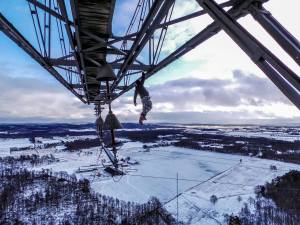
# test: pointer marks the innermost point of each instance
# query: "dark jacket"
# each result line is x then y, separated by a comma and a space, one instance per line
140, 89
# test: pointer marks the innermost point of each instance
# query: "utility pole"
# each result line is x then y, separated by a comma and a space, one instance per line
177, 195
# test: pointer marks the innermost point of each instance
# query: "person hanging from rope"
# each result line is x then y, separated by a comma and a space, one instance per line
145, 98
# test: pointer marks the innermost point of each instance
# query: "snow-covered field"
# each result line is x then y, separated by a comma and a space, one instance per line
201, 175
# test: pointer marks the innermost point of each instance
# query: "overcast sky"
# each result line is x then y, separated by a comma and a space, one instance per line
214, 83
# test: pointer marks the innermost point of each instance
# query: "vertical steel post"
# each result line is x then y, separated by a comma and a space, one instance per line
177, 215
49, 31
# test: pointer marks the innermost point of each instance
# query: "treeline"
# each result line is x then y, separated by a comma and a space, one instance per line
61, 130
28, 160
62, 199
87, 143
82, 144
149, 135
262, 147
277, 203
36, 147
267, 148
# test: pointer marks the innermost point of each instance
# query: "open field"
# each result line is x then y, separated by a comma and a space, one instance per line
201, 175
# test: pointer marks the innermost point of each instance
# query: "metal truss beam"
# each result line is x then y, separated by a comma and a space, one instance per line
172, 22
62, 62
102, 42
11, 32
132, 66
80, 58
235, 12
157, 12
284, 38
192, 15
118, 66
48, 10
278, 73
71, 38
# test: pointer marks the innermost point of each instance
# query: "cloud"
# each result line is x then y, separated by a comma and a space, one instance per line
245, 98
37, 100
242, 89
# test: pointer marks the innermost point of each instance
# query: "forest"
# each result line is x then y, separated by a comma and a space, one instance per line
44, 197
276, 203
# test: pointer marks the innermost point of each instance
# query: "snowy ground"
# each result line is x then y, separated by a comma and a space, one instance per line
201, 174
275, 133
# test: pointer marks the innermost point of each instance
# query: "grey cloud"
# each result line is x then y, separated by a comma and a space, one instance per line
194, 82
210, 117
34, 99
254, 86
241, 90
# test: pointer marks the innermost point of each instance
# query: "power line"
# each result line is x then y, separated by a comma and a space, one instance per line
200, 181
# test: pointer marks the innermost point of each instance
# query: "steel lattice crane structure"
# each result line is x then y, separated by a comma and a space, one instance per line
84, 29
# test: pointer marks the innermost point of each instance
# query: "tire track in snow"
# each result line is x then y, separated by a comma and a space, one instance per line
203, 211
197, 185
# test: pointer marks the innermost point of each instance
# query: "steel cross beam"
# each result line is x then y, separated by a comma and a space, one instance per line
181, 19
157, 12
48, 10
278, 73
284, 38
63, 9
237, 11
10, 31
79, 47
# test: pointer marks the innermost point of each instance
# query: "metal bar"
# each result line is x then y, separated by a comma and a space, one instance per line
131, 67
174, 21
92, 61
35, 28
67, 69
251, 47
77, 86
63, 8
40, 31
74, 9
283, 37
49, 31
72, 54
10, 31
102, 41
118, 66
159, 8
62, 62
117, 60
123, 38
95, 47
163, 33
192, 15
48, 10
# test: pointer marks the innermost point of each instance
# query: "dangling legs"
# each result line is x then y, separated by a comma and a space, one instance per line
147, 106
